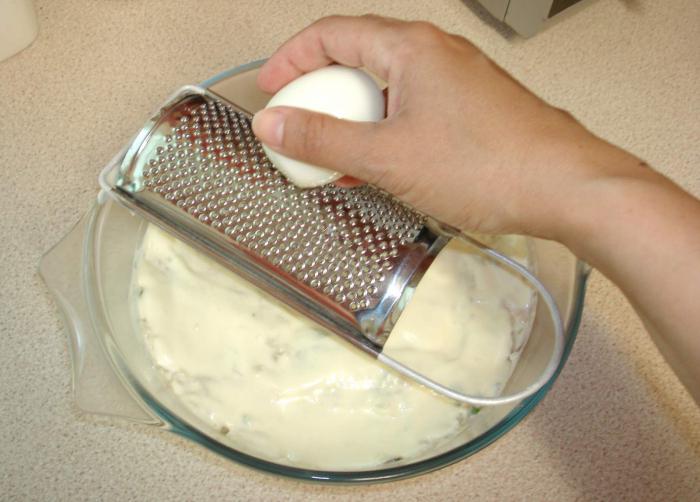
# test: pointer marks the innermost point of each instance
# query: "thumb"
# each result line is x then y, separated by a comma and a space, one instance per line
322, 140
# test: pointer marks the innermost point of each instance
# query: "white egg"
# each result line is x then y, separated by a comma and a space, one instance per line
345, 93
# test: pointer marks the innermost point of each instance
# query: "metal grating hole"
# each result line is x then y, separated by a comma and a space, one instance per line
339, 241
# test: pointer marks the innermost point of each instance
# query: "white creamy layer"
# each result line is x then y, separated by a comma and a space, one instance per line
275, 385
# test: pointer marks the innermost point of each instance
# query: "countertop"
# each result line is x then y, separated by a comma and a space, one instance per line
616, 425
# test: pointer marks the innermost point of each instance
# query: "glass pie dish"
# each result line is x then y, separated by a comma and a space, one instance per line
90, 275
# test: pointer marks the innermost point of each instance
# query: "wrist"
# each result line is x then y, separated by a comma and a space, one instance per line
620, 199
585, 180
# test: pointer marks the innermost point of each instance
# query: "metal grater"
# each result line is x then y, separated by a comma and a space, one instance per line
349, 258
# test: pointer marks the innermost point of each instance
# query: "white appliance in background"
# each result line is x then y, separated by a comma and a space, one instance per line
18, 26
526, 17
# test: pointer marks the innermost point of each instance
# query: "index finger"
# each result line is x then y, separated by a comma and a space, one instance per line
365, 41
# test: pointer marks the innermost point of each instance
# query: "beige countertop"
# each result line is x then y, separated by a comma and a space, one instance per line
617, 424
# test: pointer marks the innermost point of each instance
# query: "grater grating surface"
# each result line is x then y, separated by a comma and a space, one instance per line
357, 250
341, 242
348, 258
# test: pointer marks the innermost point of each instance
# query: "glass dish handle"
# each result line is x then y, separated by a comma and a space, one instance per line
96, 387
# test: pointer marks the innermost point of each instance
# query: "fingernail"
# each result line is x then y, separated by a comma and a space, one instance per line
268, 126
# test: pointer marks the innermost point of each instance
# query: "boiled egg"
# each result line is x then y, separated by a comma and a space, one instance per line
345, 93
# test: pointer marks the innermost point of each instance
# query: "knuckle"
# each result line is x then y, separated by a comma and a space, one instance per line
463, 43
424, 32
418, 37
371, 17
333, 18
566, 115
559, 115
326, 23
379, 21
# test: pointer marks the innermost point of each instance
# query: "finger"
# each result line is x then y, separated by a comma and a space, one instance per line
366, 41
348, 182
321, 140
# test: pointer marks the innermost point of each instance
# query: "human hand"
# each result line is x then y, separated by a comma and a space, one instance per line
462, 140
467, 144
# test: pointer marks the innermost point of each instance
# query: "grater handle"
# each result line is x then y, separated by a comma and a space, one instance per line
549, 370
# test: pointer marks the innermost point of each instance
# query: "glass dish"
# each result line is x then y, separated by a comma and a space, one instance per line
89, 273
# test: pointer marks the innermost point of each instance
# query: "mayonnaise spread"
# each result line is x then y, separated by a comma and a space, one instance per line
273, 384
